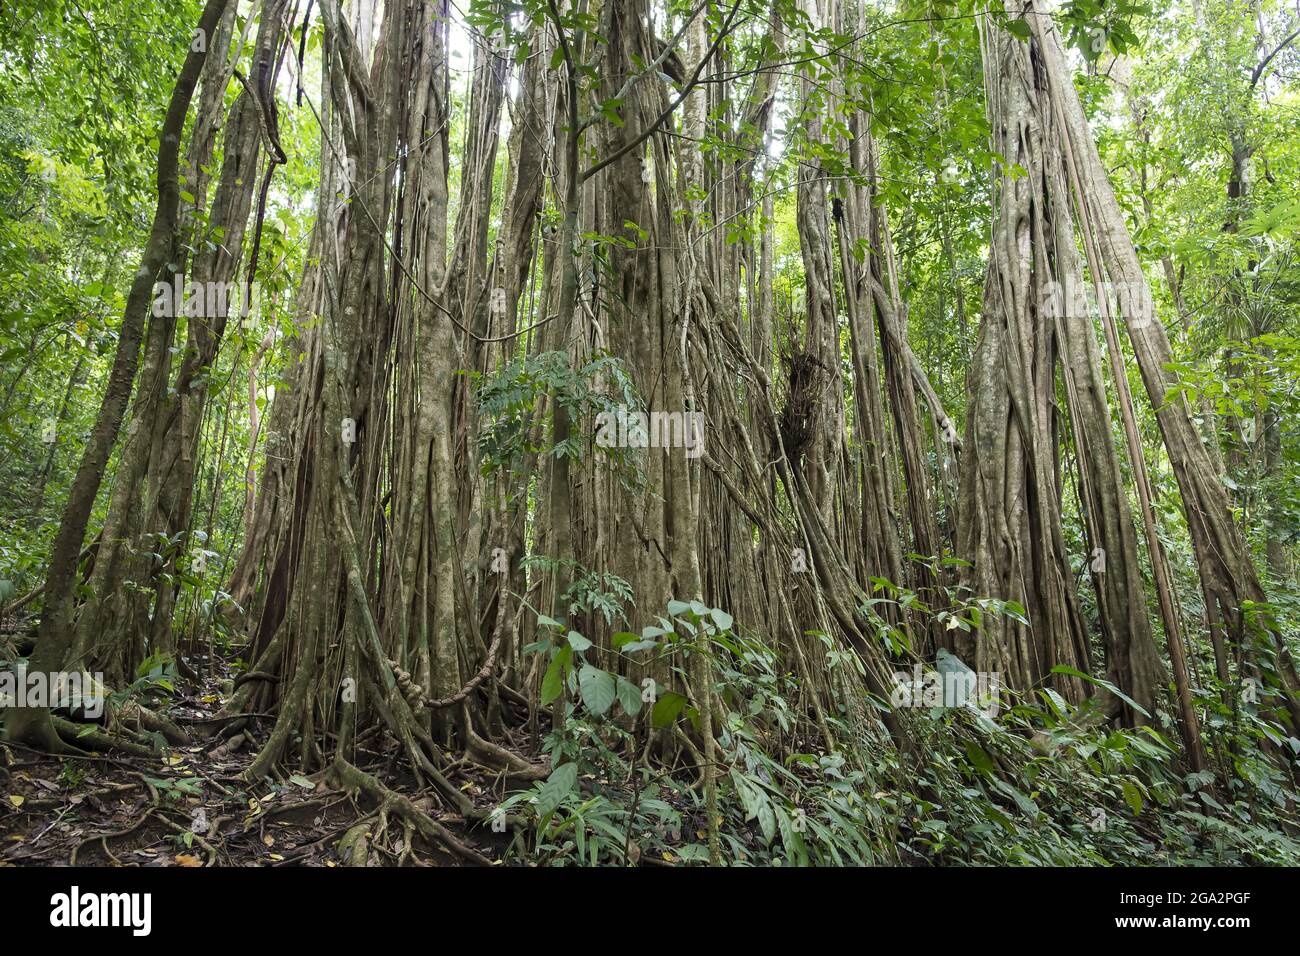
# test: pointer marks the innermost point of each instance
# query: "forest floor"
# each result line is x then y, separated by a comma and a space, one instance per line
190, 807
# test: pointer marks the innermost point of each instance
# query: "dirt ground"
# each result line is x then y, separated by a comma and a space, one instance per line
190, 807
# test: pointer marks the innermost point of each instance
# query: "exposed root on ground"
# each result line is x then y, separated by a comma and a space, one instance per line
352, 778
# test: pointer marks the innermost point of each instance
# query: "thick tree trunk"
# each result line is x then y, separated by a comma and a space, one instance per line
55, 636
1010, 509
1229, 582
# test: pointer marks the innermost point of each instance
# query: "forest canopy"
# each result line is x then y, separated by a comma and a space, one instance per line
615, 432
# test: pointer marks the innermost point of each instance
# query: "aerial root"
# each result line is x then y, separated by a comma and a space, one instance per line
498, 758
353, 778
228, 748
354, 845
77, 738
152, 722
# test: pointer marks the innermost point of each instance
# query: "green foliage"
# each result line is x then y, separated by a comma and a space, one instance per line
509, 403
1203, 148
156, 676
588, 592
1043, 783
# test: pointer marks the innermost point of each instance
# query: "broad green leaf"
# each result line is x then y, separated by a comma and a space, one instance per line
1063, 669
597, 687
629, 696
1133, 797
553, 681
980, 760
667, 708
556, 788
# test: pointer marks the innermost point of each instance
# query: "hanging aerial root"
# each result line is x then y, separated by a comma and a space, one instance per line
807, 377
415, 695
411, 691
